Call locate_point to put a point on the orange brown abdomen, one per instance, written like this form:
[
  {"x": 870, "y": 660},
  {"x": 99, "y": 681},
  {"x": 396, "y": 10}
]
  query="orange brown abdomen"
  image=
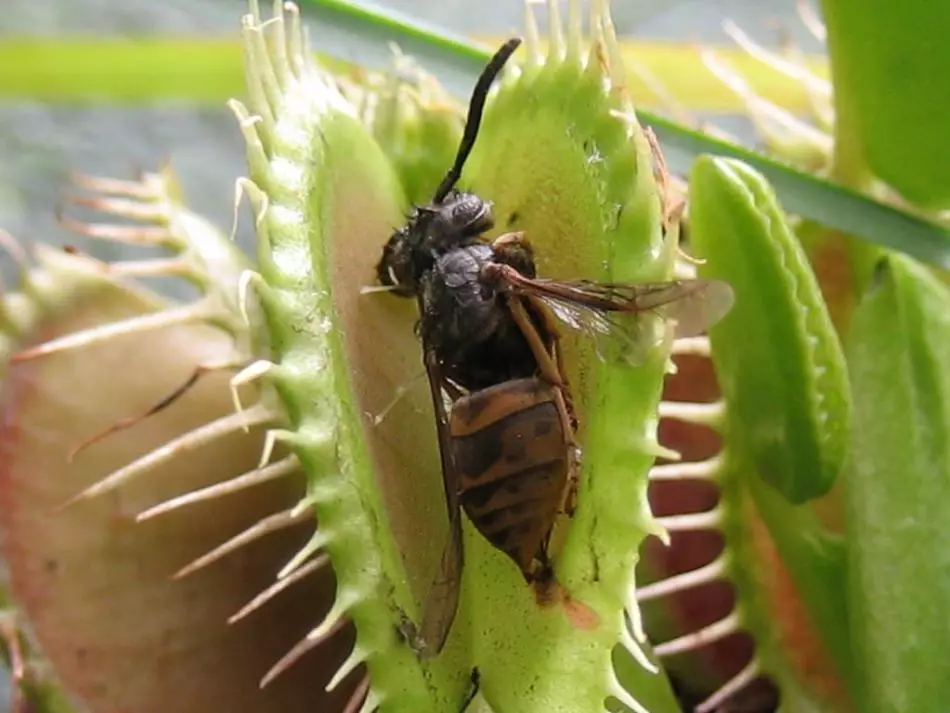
[{"x": 512, "y": 458}]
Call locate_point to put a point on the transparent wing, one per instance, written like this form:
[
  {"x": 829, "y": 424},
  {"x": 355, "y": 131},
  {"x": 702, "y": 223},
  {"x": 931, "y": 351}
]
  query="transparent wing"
[
  {"x": 625, "y": 317},
  {"x": 441, "y": 602}
]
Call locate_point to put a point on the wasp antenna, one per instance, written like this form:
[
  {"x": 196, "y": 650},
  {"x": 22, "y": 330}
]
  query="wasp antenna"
[{"x": 475, "y": 107}]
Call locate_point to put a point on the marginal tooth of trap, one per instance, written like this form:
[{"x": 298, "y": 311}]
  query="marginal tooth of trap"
[
  {"x": 618, "y": 74},
  {"x": 355, "y": 658},
  {"x": 735, "y": 684},
  {"x": 247, "y": 375},
  {"x": 190, "y": 441},
  {"x": 317, "y": 542},
  {"x": 272, "y": 523},
  {"x": 555, "y": 30},
  {"x": 271, "y": 438},
  {"x": 274, "y": 471},
  {"x": 143, "y": 189},
  {"x": 689, "y": 470},
  {"x": 635, "y": 617},
  {"x": 532, "y": 38},
  {"x": 240, "y": 185},
  {"x": 247, "y": 280},
  {"x": 294, "y": 49},
  {"x": 15, "y": 250},
  {"x": 575, "y": 29},
  {"x": 693, "y": 346},
  {"x": 148, "y": 212},
  {"x": 255, "y": 60},
  {"x": 308, "y": 643},
  {"x": 313, "y": 566},
  {"x": 681, "y": 582},
  {"x": 701, "y": 414},
  {"x": 277, "y": 40},
  {"x": 773, "y": 119},
  {"x": 667, "y": 100},
  {"x": 657, "y": 450},
  {"x": 621, "y": 694},
  {"x": 265, "y": 69},
  {"x": 811, "y": 21},
  {"x": 690, "y": 522},
  {"x": 360, "y": 701},
  {"x": 701, "y": 637},
  {"x": 131, "y": 234},
  {"x": 776, "y": 62},
  {"x": 636, "y": 650},
  {"x": 253, "y": 145},
  {"x": 154, "y": 267},
  {"x": 97, "y": 335}
]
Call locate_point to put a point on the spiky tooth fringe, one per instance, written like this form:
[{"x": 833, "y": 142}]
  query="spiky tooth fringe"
[
  {"x": 203, "y": 310},
  {"x": 717, "y": 569},
  {"x": 689, "y": 522},
  {"x": 701, "y": 637},
  {"x": 735, "y": 684},
  {"x": 350, "y": 664},
  {"x": 812, "y": 21},
  {"x": 658, "y": 450},
  {"x": 317, "y": 542},
  {"x": 185, "y": 443},
  {"x": 701, "y": 414},
  {"x": 617, "y": 690},
  {"x": 272, "y": 523},
  {"x": 274, "y": 471},
  {"x": 249, "y": 374},
  {"x": 709, "y": 469},
  {"x": 311, "y": 567},
  {"x": 311, "y": 641},
  {"x": 633, "y": 647},
  {"x": 361, "y": 696},
  {"x": 777, "y": 62},
  {"x": 692, "y": 346},
  {"x": 774, "y": 121},
  {"x": 147, "y": 187}
]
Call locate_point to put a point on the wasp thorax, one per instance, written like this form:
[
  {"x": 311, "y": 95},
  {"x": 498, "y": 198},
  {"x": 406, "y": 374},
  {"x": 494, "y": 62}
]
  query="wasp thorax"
[{"x": 457, "y": 220}]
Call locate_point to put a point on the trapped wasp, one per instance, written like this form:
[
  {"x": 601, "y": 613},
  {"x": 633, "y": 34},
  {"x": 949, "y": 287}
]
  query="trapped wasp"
[{"x": 489, "y": 329}]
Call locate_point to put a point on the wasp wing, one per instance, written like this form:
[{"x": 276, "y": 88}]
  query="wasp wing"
[
  {"x": 441, "y": 602},
  {"x": 627, "y": 317}
]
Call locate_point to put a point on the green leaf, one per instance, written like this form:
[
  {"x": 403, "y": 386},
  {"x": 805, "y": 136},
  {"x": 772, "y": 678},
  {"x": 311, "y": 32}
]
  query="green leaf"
[
  {"x": 897, "y": 493},
  {"x": 890, "y": 63},
  {"x": 777, "y": 355}
]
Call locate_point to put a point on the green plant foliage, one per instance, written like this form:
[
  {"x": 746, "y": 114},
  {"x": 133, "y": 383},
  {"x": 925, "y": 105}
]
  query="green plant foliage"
[
  {"x": 890, "y": 66},
  {"x": 898, "y": 491},
  {"x": 326, "y": 200}
]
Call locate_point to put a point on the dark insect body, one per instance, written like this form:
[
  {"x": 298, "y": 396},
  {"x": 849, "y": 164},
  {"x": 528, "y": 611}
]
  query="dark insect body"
[{"x": 489, "y": 330}]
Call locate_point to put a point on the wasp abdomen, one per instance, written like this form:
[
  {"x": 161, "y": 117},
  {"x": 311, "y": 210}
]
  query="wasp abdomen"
[{"x": 511, "y": 457}]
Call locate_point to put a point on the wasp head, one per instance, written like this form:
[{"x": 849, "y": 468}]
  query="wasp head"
[{"x": 429, "y": 232}]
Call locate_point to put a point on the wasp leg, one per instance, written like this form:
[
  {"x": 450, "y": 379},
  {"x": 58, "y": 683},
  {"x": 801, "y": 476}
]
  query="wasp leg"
[
  {"x": 569, "y": 502},
  {"x": 546, "y": 364}
]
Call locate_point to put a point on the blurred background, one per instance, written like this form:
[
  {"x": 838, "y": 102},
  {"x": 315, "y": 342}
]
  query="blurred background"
[{"x": 41, "y": 143}]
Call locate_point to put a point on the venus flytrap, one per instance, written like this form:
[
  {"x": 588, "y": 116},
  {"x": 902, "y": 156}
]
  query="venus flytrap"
[
  {"x": 784, "y": 418},
  {"x": 112, "y": 336},
  {"x": 563, "y": 159}
]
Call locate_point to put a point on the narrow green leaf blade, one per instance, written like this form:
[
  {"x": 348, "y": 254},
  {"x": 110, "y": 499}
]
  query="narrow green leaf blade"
[{"x": 898, "y": 491}]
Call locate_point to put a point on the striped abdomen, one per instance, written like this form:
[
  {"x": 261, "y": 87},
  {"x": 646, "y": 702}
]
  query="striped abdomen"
[{"x": 512, "y": 460}]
